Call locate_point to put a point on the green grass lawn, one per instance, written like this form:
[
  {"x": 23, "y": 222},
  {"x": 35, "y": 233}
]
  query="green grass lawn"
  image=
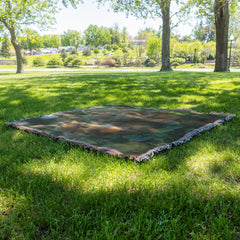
[{"x": 51, "y": 190}]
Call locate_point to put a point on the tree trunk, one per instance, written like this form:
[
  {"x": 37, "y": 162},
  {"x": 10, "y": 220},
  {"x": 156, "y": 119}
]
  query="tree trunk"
[
  {"x": 221, "y": 12},
  {"x": 17, "y": 48},
  {"x": 165, "y": 8}
]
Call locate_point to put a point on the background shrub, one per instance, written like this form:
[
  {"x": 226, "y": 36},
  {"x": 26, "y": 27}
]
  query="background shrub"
[
  {"x": 119, "y": 60},
  {"x": 86, "y": 52},
  {"x": 96, "y": 50},
  {"x": 109, "y": 61},
  {"x": 74, "y": 51},
  {"x": 38, "y": 62},
  {"x": 63, "y": 54},
  {"x": 54, "y": 62},
  {"x": 24, "y": 60},
  {"x": 175, "y": 64},
  {"x": 150, "y": 62},
  {"x": 68, "y": 60},
  {"x": 178, "y": 60},
  {"x": 76, "y": 62},
  {"x": 138, "y": 62}
]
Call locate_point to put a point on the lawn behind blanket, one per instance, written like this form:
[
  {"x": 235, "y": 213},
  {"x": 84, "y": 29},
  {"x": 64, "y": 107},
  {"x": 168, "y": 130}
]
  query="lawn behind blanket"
[{"x": 51, "y": 190}]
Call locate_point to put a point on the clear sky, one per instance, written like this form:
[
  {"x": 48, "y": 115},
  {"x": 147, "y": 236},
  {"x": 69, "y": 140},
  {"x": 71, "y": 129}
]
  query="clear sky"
[{"x": 89, "y": 13}]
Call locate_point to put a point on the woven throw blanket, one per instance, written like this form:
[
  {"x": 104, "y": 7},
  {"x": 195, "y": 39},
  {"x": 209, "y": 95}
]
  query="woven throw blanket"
[{"x": 123, "y": 130}]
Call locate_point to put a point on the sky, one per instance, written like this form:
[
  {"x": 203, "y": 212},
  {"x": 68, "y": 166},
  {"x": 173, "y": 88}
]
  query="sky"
[{"x": 88, "y": 13}]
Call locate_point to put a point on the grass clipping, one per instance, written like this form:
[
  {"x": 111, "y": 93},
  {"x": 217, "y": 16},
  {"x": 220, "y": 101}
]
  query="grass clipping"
[{"x": 123, "y": 130}]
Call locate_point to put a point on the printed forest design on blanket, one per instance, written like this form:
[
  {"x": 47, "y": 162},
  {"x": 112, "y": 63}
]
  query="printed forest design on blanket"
[{"x": 123, "y": 130}]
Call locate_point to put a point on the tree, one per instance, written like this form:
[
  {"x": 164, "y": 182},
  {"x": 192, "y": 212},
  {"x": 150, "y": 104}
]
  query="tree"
[
  {"x": 234, "y": 25},
  {"x": 115, "y": 35},
  {"x": 72, "y": 38},
  {"x": 51, "y": 41},
  {"x": 15, "y": 15},
  {"x": 154, "y": 48},
  {"x": 221, "y": 10},
  {"x": 205, "y": 32},
  {"x": 97, "y": 36},
  {"x": 124, "y": 35},
  {"x": 144, "y": 9},
  {"x": 31, "y": 41},
  {"x": 5, "y": 49}
]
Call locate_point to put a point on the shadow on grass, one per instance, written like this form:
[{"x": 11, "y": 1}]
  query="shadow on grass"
[
  {"x": 105, "y": 197},
  {"x": 45, "y": 204}
]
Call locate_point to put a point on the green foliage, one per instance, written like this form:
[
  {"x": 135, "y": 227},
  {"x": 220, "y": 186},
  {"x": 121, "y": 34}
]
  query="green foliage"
[
  {"x": 109, "y": 47},
  {"x": 86, "y": 52},
  {"x": 97, "y": 62},
  {"x": 74, "y": 51},
  {"x": 154, "y": 48},
  {"x": 63, "y": 54},
  {"x": 115, "y": 35},
  {"x": 119, "y": 60},
  {"x": 24, "y": 60},
  {"x": 138, "y": 62},
  {"x": 97, "y": 36},
  {"x": 150, "y": 62},
  {"x": 31, "y": 40},
  {"x": 109, "y": 62},
  {"x": 96, "y": 50},
  {"x": 105, "y": 51},
  {"x": 115, "y": 47},
  {"x": 68, "y": 60},
  {"x": 51, "y": 41},
  {"x": 71, "y": 38},
  {"x": 17, "y": 14},
  {"x": 5, "y": 49},
  {"x": 125, "y": 50},
  {"x": 38, "y": 62},
  {"x": 54, "y": 62},
  {"x": 77, "y": 62},
  {"x": 73, "y": 61},
  {"x": 175, "y": 64},
  {"x": 178, "y": 60}
]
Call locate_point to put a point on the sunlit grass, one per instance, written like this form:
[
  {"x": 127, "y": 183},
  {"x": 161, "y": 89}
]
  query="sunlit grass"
[{"x": 51, "y": 190}]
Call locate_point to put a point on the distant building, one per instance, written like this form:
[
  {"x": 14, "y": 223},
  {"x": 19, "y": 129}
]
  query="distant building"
[
  {"x": 67, "y": 48},
  {"x": 48, "y": 50},
  {"x": 137, "y": 43}
]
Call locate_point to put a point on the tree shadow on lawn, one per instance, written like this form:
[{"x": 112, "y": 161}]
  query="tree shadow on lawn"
[
  {"x": 31, "y": 97},
  {"x": 45, "y": 203},
  {"x": 162, "y": 198}
]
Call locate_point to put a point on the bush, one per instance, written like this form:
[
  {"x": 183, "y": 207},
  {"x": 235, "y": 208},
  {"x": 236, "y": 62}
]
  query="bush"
[
  {"x": 119, "y": 60},
  {"x": 105, "y": 52},
  {"x": 68, "y": 60},
  {"x": 38, "y": 62},
  {"x": 109, "y": 61},
  {"x": 175, "y": 64},
  {"x": 63, "y": 54},
  {"x": 86, "y": 52},
  {"x": 115, "y": 46},
  {"x": 76, "y": 62},
  {"x": 138, "y": 62},
  {"x": 97, "y": 62},
  {"x": 54, "y": 62},
  {"x": 96, "y": 50},
  {"x": 74, "y": 51},
  {"x": 150, "y": 62},
  {"x": 24, "y": 60},
  {"x": 125, "y": 50},
  {"x": 178, "y": 60},
  {"x": 109, "y": 48}
]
